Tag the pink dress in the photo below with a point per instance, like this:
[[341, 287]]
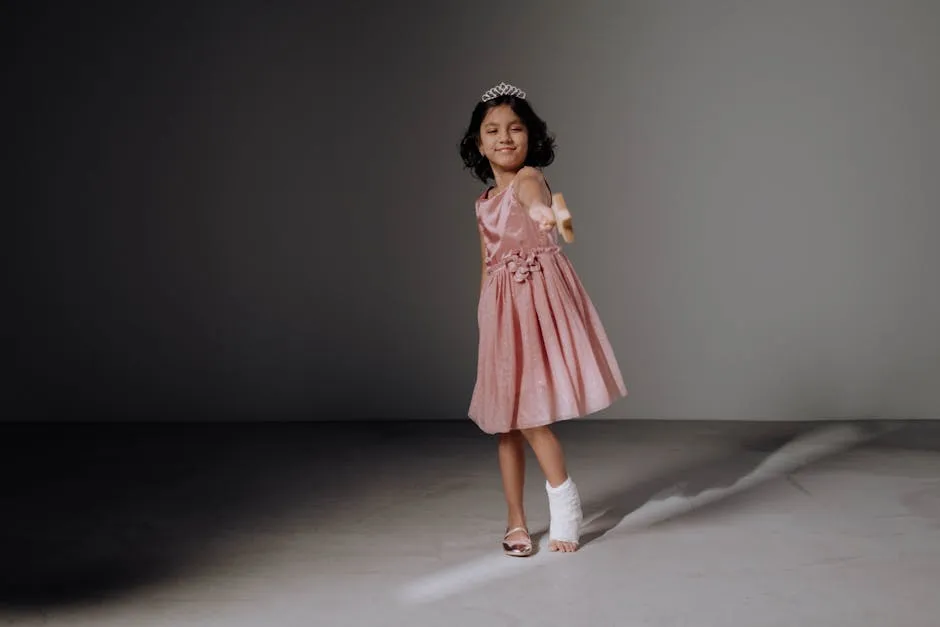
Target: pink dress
[[543, 354]]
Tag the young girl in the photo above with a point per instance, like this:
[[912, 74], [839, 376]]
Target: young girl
[[543, 352]]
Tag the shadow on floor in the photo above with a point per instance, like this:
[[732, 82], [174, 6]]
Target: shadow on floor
[[96, 510], [713, 475]]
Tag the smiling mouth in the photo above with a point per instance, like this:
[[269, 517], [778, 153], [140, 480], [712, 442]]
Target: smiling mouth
[[505, 149]]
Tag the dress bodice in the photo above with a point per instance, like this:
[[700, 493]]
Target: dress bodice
[[507, 227]]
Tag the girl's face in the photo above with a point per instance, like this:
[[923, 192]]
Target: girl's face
[[504, 139]]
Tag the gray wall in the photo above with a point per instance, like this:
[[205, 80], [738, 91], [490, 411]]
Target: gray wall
[[259, 213]]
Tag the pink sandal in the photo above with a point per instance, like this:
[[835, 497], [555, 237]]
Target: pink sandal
[[517, 548]]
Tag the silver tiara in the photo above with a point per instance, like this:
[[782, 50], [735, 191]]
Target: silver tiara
[[503, 90]]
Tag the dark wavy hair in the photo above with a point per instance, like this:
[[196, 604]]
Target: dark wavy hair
[[541, 151]]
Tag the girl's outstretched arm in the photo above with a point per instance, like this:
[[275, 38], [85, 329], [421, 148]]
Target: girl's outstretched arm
[[531, 188], [532, 191]]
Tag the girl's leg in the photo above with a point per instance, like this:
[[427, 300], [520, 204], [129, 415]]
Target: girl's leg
[[549, 453], [563, 496], [512, 468]]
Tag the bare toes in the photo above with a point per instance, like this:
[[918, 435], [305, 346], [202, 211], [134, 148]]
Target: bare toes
[[562, 547]]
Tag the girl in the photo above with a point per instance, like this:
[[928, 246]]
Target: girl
[[543, 352]]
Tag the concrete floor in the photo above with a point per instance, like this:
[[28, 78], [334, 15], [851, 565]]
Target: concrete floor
[[700, 524]]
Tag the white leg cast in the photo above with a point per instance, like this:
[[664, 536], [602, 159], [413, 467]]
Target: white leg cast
[[564, 504]]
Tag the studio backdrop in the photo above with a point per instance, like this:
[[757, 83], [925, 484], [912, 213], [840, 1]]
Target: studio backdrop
[[257, 211]]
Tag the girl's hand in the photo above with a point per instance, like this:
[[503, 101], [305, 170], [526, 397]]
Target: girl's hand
[[562, 217], [543, 214]]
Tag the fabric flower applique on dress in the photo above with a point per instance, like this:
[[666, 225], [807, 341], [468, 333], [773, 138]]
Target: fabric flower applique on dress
[[522, 267]]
